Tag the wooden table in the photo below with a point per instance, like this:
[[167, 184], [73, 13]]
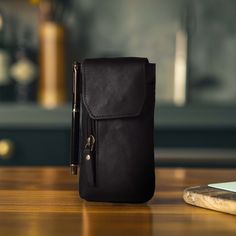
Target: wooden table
[[45, 201]]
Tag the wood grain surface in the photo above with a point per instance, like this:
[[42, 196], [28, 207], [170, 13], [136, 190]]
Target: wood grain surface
[[45, 201]]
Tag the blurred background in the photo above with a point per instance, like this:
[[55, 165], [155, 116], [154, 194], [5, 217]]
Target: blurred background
[[193, 43]]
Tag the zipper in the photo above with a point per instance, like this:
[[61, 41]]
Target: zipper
[[89, 147], [89, 157]]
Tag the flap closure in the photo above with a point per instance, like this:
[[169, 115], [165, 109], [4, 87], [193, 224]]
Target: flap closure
[[114, 87]]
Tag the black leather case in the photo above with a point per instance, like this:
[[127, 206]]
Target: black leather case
[[117, 109]]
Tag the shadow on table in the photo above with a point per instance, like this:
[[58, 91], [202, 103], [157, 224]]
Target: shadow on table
[[116, 219]]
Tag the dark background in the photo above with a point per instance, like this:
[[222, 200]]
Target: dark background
[[197, 130]]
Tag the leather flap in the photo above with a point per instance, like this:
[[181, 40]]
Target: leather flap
[[114, 87]]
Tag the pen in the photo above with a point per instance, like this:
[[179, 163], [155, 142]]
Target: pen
[[75, 120]]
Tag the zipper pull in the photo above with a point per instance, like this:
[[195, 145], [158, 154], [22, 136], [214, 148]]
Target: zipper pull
[[90, 142], [89, 160]]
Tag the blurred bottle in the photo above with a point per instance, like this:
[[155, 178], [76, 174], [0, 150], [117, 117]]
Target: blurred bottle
[[24, 70], [52, 90], [52, 72], [5, 57]]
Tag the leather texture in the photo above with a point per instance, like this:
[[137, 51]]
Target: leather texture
[[118, 110], [109, 83]]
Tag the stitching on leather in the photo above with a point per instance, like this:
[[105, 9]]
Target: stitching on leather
[[114, 116]]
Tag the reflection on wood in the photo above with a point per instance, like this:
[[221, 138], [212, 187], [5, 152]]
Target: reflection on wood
[[45, 201]]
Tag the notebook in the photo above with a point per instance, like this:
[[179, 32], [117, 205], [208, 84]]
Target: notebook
[[228, 186]]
